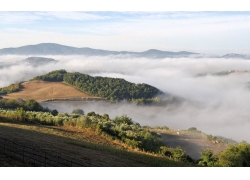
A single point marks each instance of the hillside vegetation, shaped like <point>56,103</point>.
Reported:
<point>120,129</point>
<point>127,133</point>
<point>11,88</point>
<point>105,87</point>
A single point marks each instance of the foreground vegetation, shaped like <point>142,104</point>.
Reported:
<point>120,128</point>
<point>124,130</point>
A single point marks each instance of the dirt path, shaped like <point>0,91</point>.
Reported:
<point>42,91</point>
<point>193,143</point>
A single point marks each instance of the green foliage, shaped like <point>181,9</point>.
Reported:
<point>194,129</point>
<point>121,128</point>
<point>54,112</point>
<point>20,114</point>
<point>78,111</point>
<point>28,105</point>
<point>207,158</point>
<point>176,154</point>
<point>165,127</point>
<point>11,88</point>
<point>110,88</point>
<point>54,76</point>
<point>32,105</point>
<point>92,113</point>
<point>106,116</point>
<point>235,156</point>
<point>124,119</point>
<point>157,101</point>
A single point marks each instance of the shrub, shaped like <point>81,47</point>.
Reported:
<point>235,156</point>
<point>78,111</point>
<point>124,119</point>
<point>54,112</point>
<point>207,158</point>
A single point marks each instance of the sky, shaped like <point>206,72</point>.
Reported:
<point>209,32</point>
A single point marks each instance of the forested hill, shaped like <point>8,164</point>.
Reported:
<point>105,87</point>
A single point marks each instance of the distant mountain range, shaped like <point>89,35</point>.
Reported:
<point>57,49</point>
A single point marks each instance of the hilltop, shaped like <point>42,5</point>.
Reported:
<point>61,84</point>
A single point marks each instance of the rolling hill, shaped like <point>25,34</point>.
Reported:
<point>45,91</point>
<point>57,49</point>
<point>61,84</point>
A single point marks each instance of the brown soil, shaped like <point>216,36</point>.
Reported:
<point>191,142</point>
<point>44,91</point>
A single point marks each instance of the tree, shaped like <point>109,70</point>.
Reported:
<point>106,116</point>
<point>78,111</point>
<point>32,105</point>
<point>207,158</point>
<point>20,114</point>
<point>54,112</point>
<point>235,156</point>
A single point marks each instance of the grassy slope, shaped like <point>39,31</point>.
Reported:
<point>83,145</point>
<point>41,91</point>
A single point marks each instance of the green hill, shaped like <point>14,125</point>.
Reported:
<point>105,87</point>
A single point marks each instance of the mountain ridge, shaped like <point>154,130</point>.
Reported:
<point>58,49</point>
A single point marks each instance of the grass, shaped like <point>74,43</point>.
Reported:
<point>82,144</point>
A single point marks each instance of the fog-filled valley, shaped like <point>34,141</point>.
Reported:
<point>214,104</point>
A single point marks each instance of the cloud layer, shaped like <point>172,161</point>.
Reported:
<point>222,101</point>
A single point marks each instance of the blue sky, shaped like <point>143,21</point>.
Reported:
<point>198,31</point>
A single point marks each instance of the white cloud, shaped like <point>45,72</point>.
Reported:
<point>223,108</point>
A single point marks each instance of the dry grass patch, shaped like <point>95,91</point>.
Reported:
<point>42,91</point>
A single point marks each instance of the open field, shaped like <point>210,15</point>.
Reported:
<point>191,142</point>
<point>44,91</point>
<point>82,145</point>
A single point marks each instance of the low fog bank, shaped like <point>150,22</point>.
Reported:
<point>223,100</point>
<point>210,120</point>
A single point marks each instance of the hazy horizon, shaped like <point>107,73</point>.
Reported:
<point>209,32</point>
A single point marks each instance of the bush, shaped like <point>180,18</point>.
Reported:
<point>106,116</point>
<point>54,112</point>
<point>176,153</point>
<point>92,113</point>
<point>235,156</point>
<point>124,119</point>
<point>165,127</point>
<point>78,111</point>
<point>207,158</point>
